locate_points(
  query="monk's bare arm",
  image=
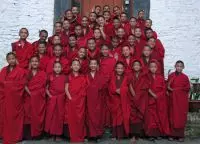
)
(152, 93)
(67, 91)
(27, 90)
(47, 91)
(131, 90)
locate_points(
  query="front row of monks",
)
(80, 106)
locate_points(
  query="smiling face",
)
(121, 33)
(93, 65)
(179, 67)
(84, 22)
(119, 69)
(23, 34)
(97, 34)
(43, 36)
(82, 53)
(57, 68)
(137, 66)
(131, 39)
(57, 50)
(76, 66)
(126, 51)
(152, 43)
(58, 27)
(69, 15)
(133, 22)
(106, 15)
(42, 48)
(66, 25)
(11, 59)
(92, 17)
(153, 67)
(91, 44)
(147, 51)
(75, 10)
(105, 51)
(56, 40)
(34, 63)
(138, 32)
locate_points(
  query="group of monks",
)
(95, 73)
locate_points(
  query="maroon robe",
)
(156, 120)
(76, 107)
(145, 64)
(178, 101)
(55, 105)
(71, 54)
(120, 106)
(84, 66)
(138, 103)
(23, 54)
(94, 54)
(14, 84)
(95, 105)
(37, 86)
(139, 46)
(128, 64)
(44, 60)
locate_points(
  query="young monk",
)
(75, 88)
(42, 54)
(82, 57)
(57, 52)
(57, 31)
(119, 102)
(130, 28)
(113, 28)
(43, 34)
(55, 40)
(156, 119)
(107, 64)
(97, 10)
(68, 15)
(35, 88)
(131, 43)
(148, 24)
(100, 37)
(87, 32)
(56, 102)
(106, 8)
(13, 79)
(76, 13)
(92, 19)
(72, 49)
(23, 49)
(141, 19)
(124, 19)
(107, 16)
(178, 90)
(93, 51)
(121, 35)
(146, 58)
(65, 32)
(94, 101)
(139, 100)
(115, 49)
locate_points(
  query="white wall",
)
(14, 14)
(177, 23)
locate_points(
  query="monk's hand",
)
(169, 88)
(118, 91)
(69, 97)
(155, 96)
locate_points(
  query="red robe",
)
(71, 54)
(145, 64)
(128, 64)
(64, 62)
(156, 120)
(37, 86)
(178, 101)
(35, 46)
(94, 54)
(141, 23)
(139, 46)
(138, 103)
(84, 66)
(95, 105)
(76, 107)
(23, 54)
(55, 105)
(44, 60)
(120, 106)
(13, 83)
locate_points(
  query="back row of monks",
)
(96, 72)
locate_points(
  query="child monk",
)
(13, 79)
(139, 99)
(93, 50)
(55, 91)
(43, 35)
(23, 49)
(94, 101)
(35, 88)
(156, 119)
(178, 89)
(119, 102)
(82, 57)
(146, 58)
(75, 88)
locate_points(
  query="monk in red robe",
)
(55, 40)
(131, 43)
(107, 65)
(139, 99)
(92, 20)
(36, 86)
(56, 102)
(82, 57)
(65, 33)
(130, 27)
(93, 50)
(87, 31)
(119, 102)
(156, 119)
(23, 49)
(75, 88)
(124, 19)
(141, 20)
(13, 79)
(57, 31)
(107, 16)
(100, 37)
(146, 58)
(94, 102)
(76, 13)
(81, 40)
(43, 34)
(115, 49)
(178, 90)
(148, 24)
(58, 50)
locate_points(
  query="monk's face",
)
(115, 42)
(153, 67)
(23, 34)
(120, 33)
(66, 25)
(57, 51)
(179, 67)
(136, 66)
(92, 17)
(97, 10)
(152, 42)
(149, 33)
(82, 53)
(41, 48)
(106, 8)
(93, 65)
(133, 22)
(84, 22)
(141, 15)
(97, 34)
(116, 23)
(123, 17)
(106, 15)
(34, 63)
(131, 40)
(126, 51)
(147, 51)
(11, 59)
(72, 41)
(119, 69)
(69, 15)
(56, 40)
(138, 32)
(101, 21)
(58, 28)
(78, 30)
(76, 66)
(116, 11)
(148, 23)
(75, 10)
(43, 36)
(91, 44)
(57, 68)
(105, 51)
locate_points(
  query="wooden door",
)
(88, 5)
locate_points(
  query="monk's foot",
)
(58, 139)
(159, 138)
(133, 140)
(113, 139)
(181, 140)
(170, 139)
(151, 139)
